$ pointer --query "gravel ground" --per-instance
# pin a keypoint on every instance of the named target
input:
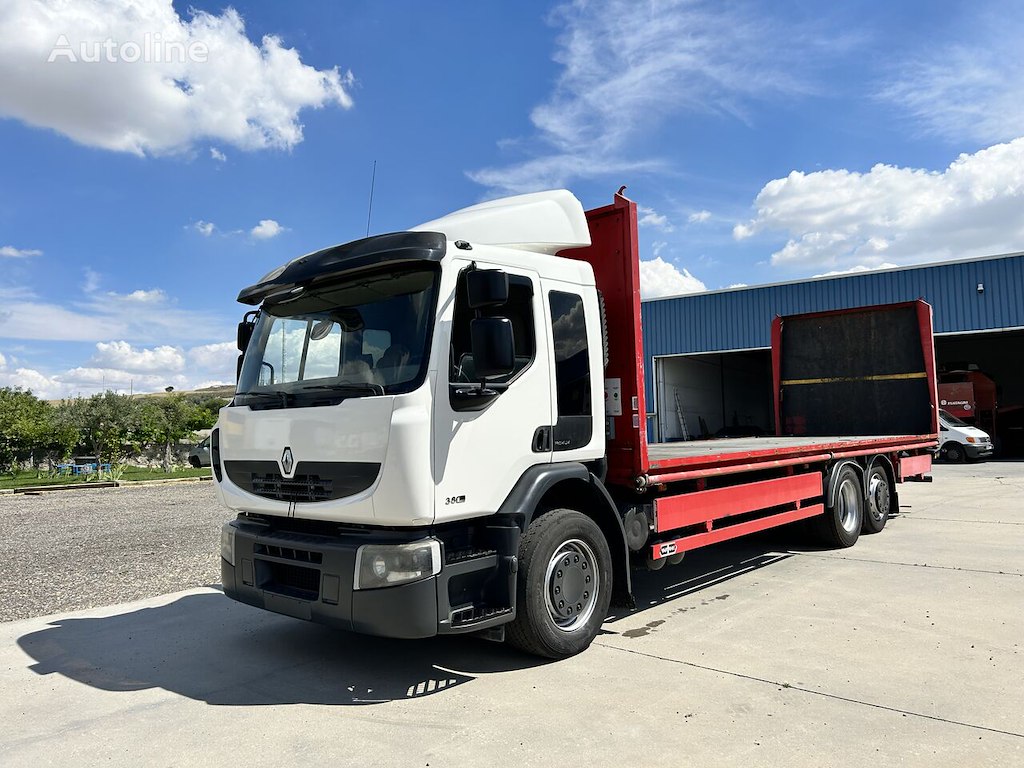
(65, 550)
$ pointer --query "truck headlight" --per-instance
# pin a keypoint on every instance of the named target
(387, 565)
(972, 439)
(227, 544)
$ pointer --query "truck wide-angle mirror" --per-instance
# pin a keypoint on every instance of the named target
(493, 346)
(244, 334)
(245, 329)
(486, 288)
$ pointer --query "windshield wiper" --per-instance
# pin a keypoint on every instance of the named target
(272, 395)
(350, 388)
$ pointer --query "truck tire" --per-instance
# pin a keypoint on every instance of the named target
(954, 453)
(879, 499)
(564, 585)
(840, 525)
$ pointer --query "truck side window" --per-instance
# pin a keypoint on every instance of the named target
(519, 310)
(572, 371)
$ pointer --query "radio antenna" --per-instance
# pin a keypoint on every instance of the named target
(369, 209)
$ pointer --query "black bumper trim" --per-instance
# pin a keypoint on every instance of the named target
(313, 580)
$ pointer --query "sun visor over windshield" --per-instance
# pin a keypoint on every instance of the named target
(391, 249)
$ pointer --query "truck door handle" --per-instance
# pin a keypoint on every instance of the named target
(542, 440)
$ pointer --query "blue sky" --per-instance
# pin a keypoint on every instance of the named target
(763, 142)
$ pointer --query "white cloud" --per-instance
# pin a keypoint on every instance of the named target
(142, 316)
(699, 217)
(651, 218)
(215, 360)
(970, 88)
(737, 285)
(854, 270)
(266, 229)
(122, 355)
(204, 228)
(11, 252)
(660, 278)
(155, 296)
(123, 367)
(92, 280)
(896, 215)
(621, 59)
(40, 384)
(217, 155)
(171, 96)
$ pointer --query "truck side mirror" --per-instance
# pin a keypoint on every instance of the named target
(486, 288)
(493, 346)
(245, 329)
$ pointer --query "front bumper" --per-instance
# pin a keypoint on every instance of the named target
(978, 450)
(311, 577)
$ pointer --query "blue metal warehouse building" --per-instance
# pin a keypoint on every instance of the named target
(708, 361)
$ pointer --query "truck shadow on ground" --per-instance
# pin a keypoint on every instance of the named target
(209, 648)
(707, 571)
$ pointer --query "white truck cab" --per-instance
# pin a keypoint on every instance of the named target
(378, 377)
(959, 441)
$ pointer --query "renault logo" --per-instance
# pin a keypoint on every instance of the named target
(287, 461)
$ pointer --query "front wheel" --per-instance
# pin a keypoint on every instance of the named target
(954, 453)
(564, 585)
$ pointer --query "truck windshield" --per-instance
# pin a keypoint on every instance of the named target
(366, 335)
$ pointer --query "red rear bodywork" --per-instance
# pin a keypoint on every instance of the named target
(614, 256)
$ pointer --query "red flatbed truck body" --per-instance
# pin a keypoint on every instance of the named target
(853, 384)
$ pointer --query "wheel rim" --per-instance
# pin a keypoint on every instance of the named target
(878, 492)
(848, 503)
(572, 582)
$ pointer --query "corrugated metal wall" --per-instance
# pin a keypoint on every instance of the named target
(741, 319)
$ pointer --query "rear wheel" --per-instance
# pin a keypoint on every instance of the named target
(879, 500)
(194, 461)
(842, 521)
(563, 586)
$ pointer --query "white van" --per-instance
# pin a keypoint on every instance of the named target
(959, 441)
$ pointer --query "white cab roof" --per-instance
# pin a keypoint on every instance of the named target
(543, 222)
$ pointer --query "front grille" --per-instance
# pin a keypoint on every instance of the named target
(298, 488)
(288, 553)
(287, 579)
(313, 481)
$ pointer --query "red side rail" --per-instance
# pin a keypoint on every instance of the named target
(703, 507)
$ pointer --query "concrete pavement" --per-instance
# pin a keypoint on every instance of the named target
(904, 650)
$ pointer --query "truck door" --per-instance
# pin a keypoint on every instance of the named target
(481, 449)
(576, 353)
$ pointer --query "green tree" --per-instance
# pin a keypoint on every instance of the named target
(207, 411)
(26, 424)
(166, 420)
(107, 424)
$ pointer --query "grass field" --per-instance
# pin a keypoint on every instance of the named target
(29, 478)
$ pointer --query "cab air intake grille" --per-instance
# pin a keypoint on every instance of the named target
(298, 488)
(313, 480)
